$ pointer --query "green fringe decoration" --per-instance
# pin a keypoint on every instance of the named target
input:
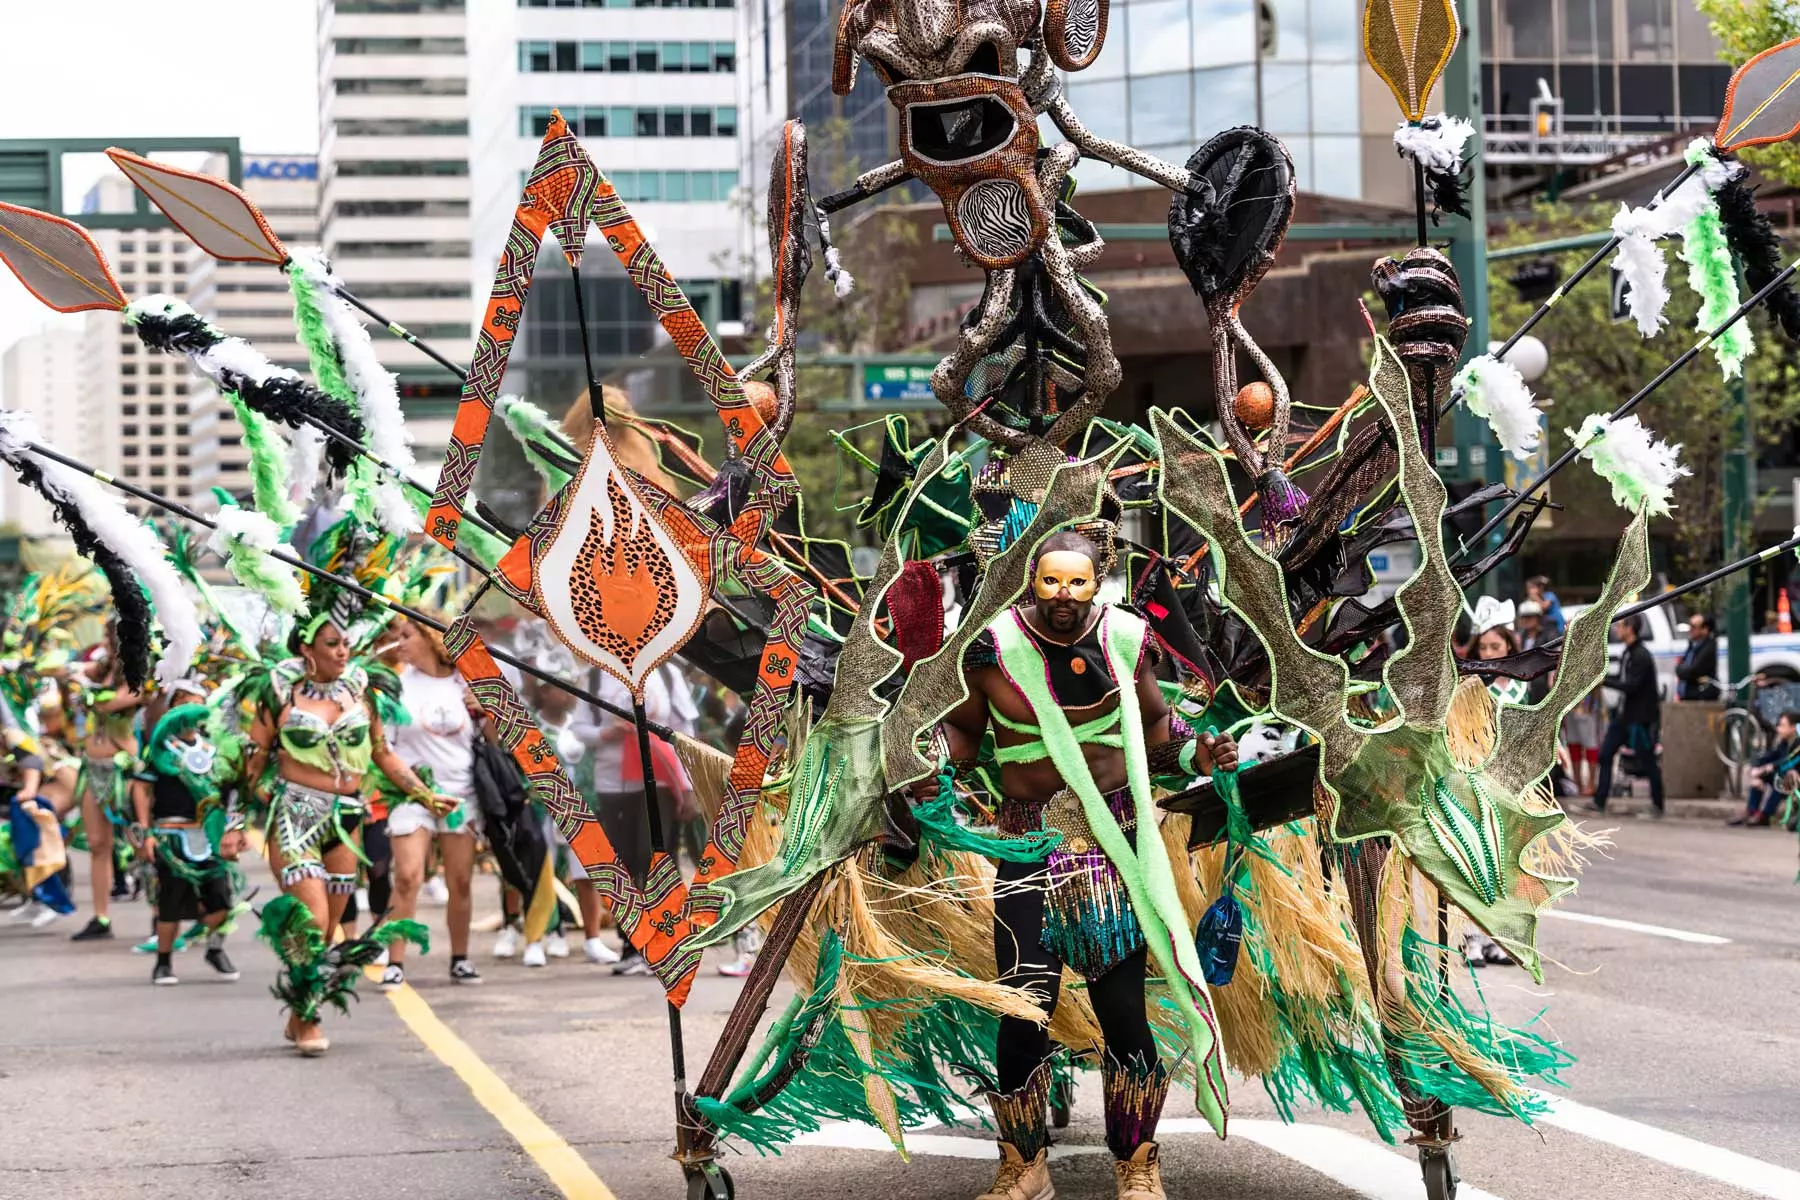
(1524, 1054)
(314, 976)
(1712, 273)
(828, 1087)
(940, 826)
(533, 427)
(268, 465)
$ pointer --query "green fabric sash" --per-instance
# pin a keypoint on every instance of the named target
(1148, 877)
(1101, 731)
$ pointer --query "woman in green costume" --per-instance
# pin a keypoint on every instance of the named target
(320, 725)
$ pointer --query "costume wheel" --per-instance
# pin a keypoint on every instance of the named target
(709, 1181)
(1439, 1169)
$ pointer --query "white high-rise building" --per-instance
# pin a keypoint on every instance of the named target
(394, 184)
(137, 399)
(251, 301)
(652, 91)
(41, 375)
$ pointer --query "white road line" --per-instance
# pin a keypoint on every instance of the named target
(1364, 1167)
(1680, 935)
(1727, 1166)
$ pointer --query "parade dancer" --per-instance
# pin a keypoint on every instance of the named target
(319, 723)
(36, 834)
(109, 746)
(1057, 669)
(173, 800)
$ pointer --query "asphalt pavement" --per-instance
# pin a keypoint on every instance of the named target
(1674, 972)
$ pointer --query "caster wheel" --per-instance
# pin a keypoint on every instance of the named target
(709, 1182)
(1439, 1169)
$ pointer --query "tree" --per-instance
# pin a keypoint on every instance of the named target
(1596, 363)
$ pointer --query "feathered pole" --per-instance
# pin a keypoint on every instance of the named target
(123, 546)
(1667, 373)
(228, 225)
(15, 422)
(1408, 43)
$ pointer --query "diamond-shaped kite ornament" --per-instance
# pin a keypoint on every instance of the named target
(1762, 105)
(1409, 42)
(216, 216)
(57, 260)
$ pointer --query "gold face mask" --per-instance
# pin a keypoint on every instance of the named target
(1066, 570)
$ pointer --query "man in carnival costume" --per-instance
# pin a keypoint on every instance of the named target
(1077, 718)
(180, 825)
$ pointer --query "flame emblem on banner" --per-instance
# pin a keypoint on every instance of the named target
(614, 584)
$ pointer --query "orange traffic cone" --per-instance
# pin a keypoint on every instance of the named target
(1784, 613)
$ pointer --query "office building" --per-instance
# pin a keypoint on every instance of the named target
(41, 374)
(653, 93)
(394, 185)
(251, 301)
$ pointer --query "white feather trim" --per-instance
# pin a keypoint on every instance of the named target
(1495, 391)
(842, 282)
(274, 579)
(1641, 468)
(377, 390)
(130, 538)
(306, 464)
(1436, 143)
(1642, 263)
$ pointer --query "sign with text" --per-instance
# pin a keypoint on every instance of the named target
(886, 381)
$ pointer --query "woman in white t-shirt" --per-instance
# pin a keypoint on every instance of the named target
(440, 736)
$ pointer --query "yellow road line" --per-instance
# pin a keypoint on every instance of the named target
(566, 1169)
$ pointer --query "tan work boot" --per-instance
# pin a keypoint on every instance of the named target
(1018, 1179)
(1140, 1176)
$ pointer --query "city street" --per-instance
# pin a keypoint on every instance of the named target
(1678, 959)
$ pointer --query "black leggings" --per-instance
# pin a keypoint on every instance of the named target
(1117, 996)
(381, 862)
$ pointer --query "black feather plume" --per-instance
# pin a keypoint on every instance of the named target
(282, 397)
(129, 600)
(1754, 241)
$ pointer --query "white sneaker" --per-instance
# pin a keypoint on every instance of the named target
(435, 891)
(507, 944)
(45, 917)
(28, 913)
(534, 955)
(599, 952)
(556, 945)
(393, 978)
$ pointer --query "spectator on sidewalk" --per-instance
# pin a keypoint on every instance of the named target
(1538, 588)
(1697, 672)
(1764, 798)
(1634, 724)
(1529, 625)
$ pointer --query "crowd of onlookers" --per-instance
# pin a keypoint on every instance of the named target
(1598, 740)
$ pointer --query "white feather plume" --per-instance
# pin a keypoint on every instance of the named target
(377, 390)
(1495, 391)
(1641, 468)
(306, 464)
(1639, 229)
(1436, 144)
(842, 282)
(130, 538)
(246, 540)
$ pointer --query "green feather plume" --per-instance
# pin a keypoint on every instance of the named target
(247, 542)
(535, 431)
(268, 464)
(328, 371)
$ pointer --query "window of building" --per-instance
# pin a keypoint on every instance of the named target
(400, 6)
(127, 246)
(157, 450)
(403, 249)
(129, 368)
(618, 56)
(159, 430)
(591, 122)
(181, 430)
(129, 410)
(404, 166)
(644, 56)
(131, 470)
(724, 56)
(156, 410)
(183, 491)
(399, 208)
(181, 389)
(535, 58)
(674, 56)
(593, 56)
(400, 45)
(156, 368)
(567, 56)
(725, 119)
(159, 471)
(128, 431)
(674, 122)
(128, 268)
(401, 127)
(231, 439)
(413, 291)
(534, 120)
(153, 246)
(649, 123)
(402, 87)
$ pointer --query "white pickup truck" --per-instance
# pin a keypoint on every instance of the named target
(1776, 654)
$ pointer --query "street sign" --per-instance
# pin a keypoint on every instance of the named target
(883, 382)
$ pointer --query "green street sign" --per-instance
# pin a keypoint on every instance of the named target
(884, 382)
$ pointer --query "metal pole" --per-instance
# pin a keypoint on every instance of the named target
(1474, 453)
(658, 847)
(1739, 479)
